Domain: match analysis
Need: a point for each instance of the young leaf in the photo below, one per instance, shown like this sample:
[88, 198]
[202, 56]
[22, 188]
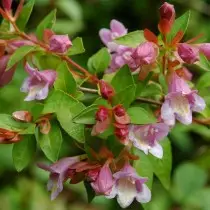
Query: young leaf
[77, 47]
[87, 116]
[19, 54]
[46, 23]
[23, 152]
[203, 63]
[132, 39]
[162, 167]
[100, 61]
[65, 80]
[51, 143]
[180, 24]
[140, 116]
[25, 14]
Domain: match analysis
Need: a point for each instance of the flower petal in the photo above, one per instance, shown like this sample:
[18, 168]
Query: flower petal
[105, 35]
[157, 151]
[118, 27]
[198, 104]
[167, 113]
[43, 93]
[145, 195]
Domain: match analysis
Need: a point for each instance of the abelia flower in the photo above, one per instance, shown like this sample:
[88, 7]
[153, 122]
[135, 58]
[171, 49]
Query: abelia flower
[9, 137]
[180, 102]
[120, 115]
[38, 83]
[106, 90]
[102, 114]
[184, 73]
[104, 182]
[167, 12]
[7, 4]
[188, 53]
[128, 186]
[147, 137]
[58, 174]
[122, 131]
[205, 49]
[5, 76]
[60, 43]
[92, 174]
[117, 29]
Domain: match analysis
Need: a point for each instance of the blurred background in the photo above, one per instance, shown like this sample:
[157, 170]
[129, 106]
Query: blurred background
[189, 189]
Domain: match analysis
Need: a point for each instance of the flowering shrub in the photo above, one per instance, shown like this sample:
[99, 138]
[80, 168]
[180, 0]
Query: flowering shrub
[139, 84]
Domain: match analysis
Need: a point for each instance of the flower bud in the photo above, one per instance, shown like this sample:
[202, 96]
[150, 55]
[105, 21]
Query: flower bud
[167, 12]
[122, 132]
[102, 114]
[188, 54]
[60, 43]
[119, 111]
[121, 115]
[205, 49]
[23, 116]
[106, 90]
[7, 4]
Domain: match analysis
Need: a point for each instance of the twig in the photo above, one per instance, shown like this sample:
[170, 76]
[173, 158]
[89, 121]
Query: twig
[149, 101]
[88, 90]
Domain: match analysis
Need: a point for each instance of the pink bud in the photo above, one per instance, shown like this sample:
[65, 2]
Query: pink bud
[107, 91]
[102, 114]
[60, 43]
[188, 54]
[121, 115]
[122, 132]
[167, 12]
[7, 4]
[119, 111]
[205, 49]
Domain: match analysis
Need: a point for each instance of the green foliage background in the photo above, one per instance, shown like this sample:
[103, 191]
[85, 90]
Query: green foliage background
[191, 154]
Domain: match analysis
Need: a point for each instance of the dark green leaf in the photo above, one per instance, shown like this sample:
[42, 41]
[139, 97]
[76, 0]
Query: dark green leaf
[132, 39]
[100, 61]
[140, 116]
[23, 152]
[65, 80]
[77, 47]
[25, 14]
[46, 23]
[90, 192]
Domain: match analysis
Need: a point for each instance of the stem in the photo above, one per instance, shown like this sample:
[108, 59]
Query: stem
[149, 101]
[88, 90]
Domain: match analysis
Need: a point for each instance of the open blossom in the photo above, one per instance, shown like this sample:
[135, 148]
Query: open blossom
[205, 49]
[58, 174]
[128, 186]
[60, 43]
[147, 137]
[180, 102]
[104, 182]
[188, 53]
[38, 83]
[117, 29]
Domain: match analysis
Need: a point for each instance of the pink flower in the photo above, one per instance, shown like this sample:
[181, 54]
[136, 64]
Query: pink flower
[205, 49]
[58, 174]
[120, 115]
[104, 182]
[5, 76]
[167, 12]
[180, 102]
[7, 4]
[128, 186]
[188, 53]
[38, 83]
[60, 43]
[117, 30]
[147, 137]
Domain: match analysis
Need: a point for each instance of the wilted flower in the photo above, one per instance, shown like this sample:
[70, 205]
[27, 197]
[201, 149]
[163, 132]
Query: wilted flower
[38, 83]
[128, 186]
[205, 49]
[60, 43]
[180, 102]
[23, 116]
[104, 182]
[147, 137]
[58, 174]
[188, 53]
[8, 137]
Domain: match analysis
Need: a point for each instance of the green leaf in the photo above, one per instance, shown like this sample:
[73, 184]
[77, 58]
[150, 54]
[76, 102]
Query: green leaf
[87, 116]
[151, 90]
[143, 167]
[77, 47]
[19, 54]
[203, 63]
[23, 152]
[203, 81]
[180, 24]
[162, 167]
[188, 178]
[90, 192]
[66, 108]
[100, 61]
[8, 123]
[46, 23]
[140, 116]
[163, 83]
[114, 145]
[65, 80]
[51, 143]
[132, 39]
[25, 14]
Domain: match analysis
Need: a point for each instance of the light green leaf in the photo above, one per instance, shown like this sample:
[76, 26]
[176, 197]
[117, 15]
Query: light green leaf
[140, 116]
[204, 81]
[100, 61]
[77, 47]
[203, 63]
[65, 80]
[25, 14]
[132, 39]
[23, 152]
[46, 23]
[51, 143]
[19, 54]
[162, 167]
